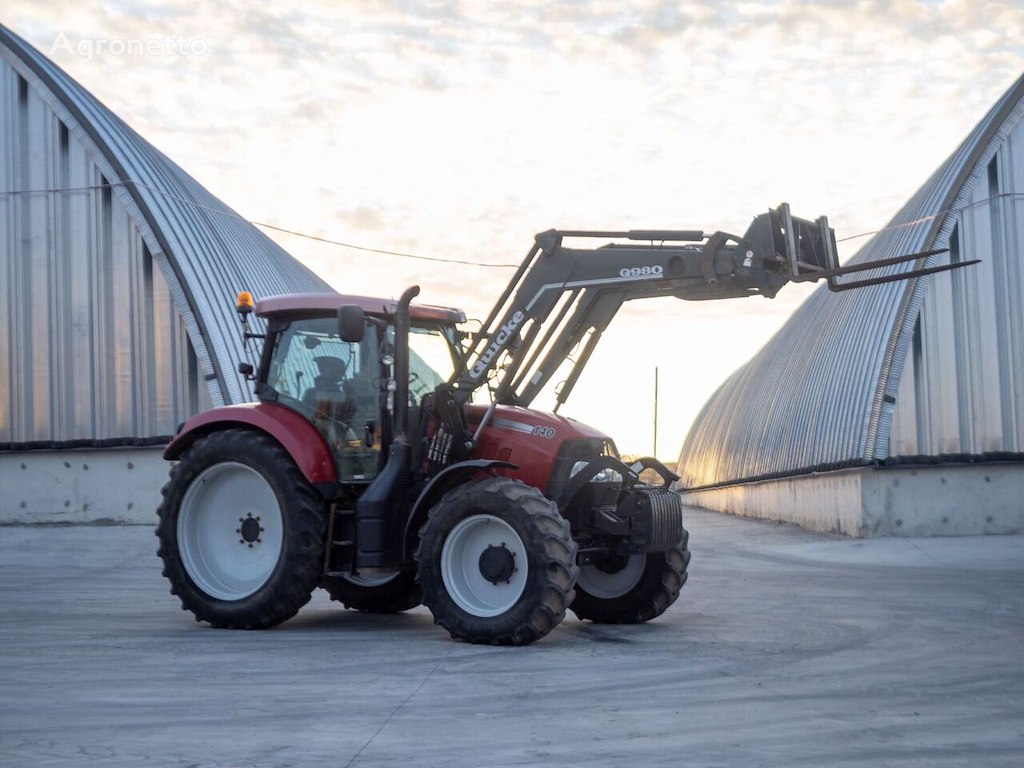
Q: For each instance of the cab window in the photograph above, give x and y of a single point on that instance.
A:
(334, 384)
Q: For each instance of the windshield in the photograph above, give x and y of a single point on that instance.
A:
(431, 360)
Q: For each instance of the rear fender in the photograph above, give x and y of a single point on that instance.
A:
(438, 486)
(296, 435)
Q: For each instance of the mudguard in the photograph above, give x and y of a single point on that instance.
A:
(296, 435)
(441, 483)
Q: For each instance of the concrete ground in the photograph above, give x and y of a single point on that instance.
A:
(787, 648)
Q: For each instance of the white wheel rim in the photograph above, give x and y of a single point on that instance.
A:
(461, 571)
(606, 585)
(230, 531)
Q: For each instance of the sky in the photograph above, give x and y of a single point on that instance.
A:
(460, 129)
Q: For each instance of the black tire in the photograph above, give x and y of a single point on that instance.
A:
(253, 562)
(661, 576)
(506, 522)
(394, 595)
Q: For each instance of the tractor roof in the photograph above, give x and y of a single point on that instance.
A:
(328, 303)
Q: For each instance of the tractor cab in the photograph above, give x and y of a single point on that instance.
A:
(334, 384)
(331, 359)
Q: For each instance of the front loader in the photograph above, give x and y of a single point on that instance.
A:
(368, 467)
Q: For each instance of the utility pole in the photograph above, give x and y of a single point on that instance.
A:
(655, 454)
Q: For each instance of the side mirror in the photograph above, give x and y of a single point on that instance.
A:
(351, 323)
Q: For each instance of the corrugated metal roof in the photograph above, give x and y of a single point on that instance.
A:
(820, 394)
(205, 251)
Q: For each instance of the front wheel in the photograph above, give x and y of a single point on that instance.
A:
(241, 531)
(632, 590)
(496, 563)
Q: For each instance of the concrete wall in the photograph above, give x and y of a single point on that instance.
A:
(117, 485)
(822, 502)
(945, 500)
(122, 485)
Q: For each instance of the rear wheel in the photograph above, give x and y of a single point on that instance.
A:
(392, 593)
(632, 590)
(241, 531)
(496, 563)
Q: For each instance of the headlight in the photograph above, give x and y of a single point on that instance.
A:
(606, 475)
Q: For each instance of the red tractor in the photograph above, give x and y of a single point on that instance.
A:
(366, 468)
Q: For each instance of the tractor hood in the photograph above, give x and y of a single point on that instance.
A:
(533, 440)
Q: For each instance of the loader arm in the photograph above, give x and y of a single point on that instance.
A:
(562, 298)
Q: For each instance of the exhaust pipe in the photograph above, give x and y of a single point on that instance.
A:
(402, 324)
